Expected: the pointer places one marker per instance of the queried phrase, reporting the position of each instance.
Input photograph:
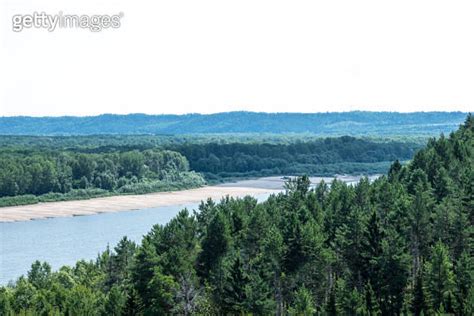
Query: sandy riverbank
(132, 202)
(121, 203)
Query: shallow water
(64, 240)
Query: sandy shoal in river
(242, 188)
(122, 203)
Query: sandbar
(254, 187)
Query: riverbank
(118, 203)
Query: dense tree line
(142, 142)
(40, 165)
(323, 156)
(38, 172)
(400, 245)
(336, 124)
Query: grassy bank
(188, 180)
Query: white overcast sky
(182, 56)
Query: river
(65, 240)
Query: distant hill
(342, 123)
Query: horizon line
(225, 112)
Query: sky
(208, 56)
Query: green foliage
(322, 156)
(115, 302)
(440, 276)
(347, 123)
(394, 246)
(29, 176)
(303, 303)
(214, 244)
(218, 157)
(419, 304)
(57, 169)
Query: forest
(57, 168)
(324, 156)
(355, 123)
(30, 176)
(402, 244)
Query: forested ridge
(331, 123)
(400, 245)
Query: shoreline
(122, 203)
(253, 187)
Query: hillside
(344, 123)
(401, 245)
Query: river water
(65, 240)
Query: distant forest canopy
(401, 245)
(140, 142)
(327, 156)
(330, 124)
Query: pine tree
(115, 302)
(314, 258)
(298, 186)
(273, 250)
(234, 295)
(372, 250)
(393, 266)
(421, 228)
(394, 171)
(206, 212)
(295, 255)
(442, 184)
(133, 304)
(260, 292)
(464, 272)
(144, 269)
(302, 303)
(350, 301)
(462, 231)
(214, 244)
(443, 221)
(349, 243)
(162, 289)
(120, 261)
(439, 276)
